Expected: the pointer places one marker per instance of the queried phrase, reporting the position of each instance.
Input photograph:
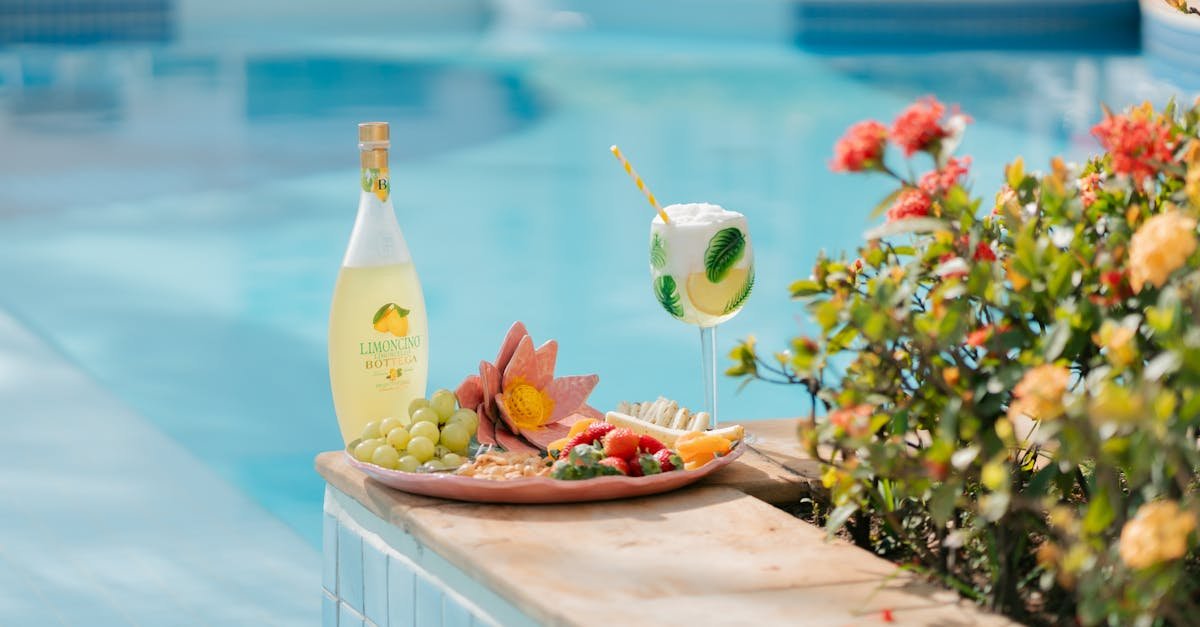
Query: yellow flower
(1158, 533)
(1118, 341)
(1160, 247)
(1040, 392)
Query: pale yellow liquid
(375, 374)
(708, 304)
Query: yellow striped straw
(641, 185)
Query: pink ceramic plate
(539, 489)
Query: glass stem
(708, 358)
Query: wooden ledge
(706, 555)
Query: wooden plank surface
(705, 555)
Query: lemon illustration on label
(391, 318)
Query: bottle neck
(375, 178)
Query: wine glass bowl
(702, 273)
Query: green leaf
(908, 225)
(739, 299)
(941, 502)
(724, 249)
(668, 297)
(838, 518)
(1015, 173)
(885, 203)
(383, 311)
(658, 252)
(804, 287)
(1099, 513)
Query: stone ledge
(709, 555)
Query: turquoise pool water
(172, 217)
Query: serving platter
(543, 490)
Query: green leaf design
(658, 252)
(739, 299)
(668, 297)
(724, 249)
(383, 311)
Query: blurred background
(178, 179)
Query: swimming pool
(172, 217)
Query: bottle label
(392, 353)
(375, 180)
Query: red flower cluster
(919, 125)
(937, 182)
(1116, 290)
(982, 335)
(861, 148)
(1138, 144)
(911, 203)
(983, 252)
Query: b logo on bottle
(375, 180)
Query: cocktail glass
(702, 269)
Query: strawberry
(648, 444)
(645, 464)
(667, 460)
(591, 434)
(621, 443)
(616, 463)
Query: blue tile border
(350, 568)
(428, 603)
(857, 26)
(348, 617)
(329, 610)
(402, 593)
(375, 584)
(329, 543)
(411, 585)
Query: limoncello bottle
(378, 334)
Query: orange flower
(1040, 393)
(1158, 533)
(1161, 246)
(853, 421)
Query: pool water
(172, 217)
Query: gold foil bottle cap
(373, 135)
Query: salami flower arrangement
(1006, 395)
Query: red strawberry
(589, 435)
(668, 460)
(648, 444)
(617, 463)
(621, 443)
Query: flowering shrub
(1013, 394)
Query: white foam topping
(697, 214)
